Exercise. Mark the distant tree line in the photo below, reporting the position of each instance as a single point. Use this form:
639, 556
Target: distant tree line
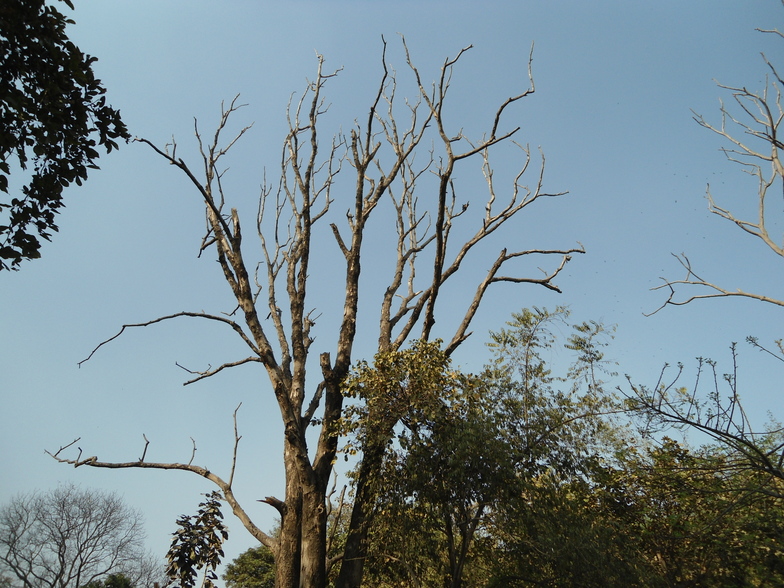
70, 537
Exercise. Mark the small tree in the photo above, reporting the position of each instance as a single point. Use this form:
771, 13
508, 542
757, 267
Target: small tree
408, 162
68, 537
52, 111
254, 568
197, 545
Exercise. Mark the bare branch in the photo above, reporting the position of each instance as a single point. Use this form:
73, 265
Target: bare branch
237, 438
461, 333
188, 467
715, 291
211, 372
756, 146
236, 327
720, 416
146, 445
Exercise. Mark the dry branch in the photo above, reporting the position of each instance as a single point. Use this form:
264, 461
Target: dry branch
717, 414
755, 145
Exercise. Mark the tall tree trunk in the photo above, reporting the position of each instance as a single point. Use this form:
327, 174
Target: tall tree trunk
314, 533
289, 554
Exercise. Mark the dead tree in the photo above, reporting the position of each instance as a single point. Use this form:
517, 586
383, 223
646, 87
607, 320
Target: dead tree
381, 154
756, 145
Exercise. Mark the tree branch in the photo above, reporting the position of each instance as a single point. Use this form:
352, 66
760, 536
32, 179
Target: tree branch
224, 486
236, 327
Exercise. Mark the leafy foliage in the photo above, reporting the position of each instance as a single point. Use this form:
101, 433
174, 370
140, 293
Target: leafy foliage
449, 472
412, 385
524, 476
53, 115
197, 544
254, 568
111, 581
688, 521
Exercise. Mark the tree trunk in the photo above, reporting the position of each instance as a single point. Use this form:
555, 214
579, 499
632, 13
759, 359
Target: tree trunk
353, 565
314, 533
289, 554
304, 520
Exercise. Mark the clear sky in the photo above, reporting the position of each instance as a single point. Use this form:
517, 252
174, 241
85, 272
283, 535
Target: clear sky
615, 85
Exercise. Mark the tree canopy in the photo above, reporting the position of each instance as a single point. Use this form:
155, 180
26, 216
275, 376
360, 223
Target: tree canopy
254, 568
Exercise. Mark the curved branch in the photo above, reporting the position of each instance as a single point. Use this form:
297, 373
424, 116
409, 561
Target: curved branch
237, 328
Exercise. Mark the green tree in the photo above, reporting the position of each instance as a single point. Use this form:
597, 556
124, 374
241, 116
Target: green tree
408, 401
254, 568
659, 516
53, 116
683, 513
112, 581
525, 477
461, 452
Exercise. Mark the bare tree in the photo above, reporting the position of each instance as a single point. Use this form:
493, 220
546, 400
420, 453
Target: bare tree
394, 158
756, 145
68, 537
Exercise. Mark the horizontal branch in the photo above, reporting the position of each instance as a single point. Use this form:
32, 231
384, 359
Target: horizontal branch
693, 279
211, 372
236, 327
225, 487
545, 281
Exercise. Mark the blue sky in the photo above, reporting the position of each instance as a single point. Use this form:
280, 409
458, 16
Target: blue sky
615, 85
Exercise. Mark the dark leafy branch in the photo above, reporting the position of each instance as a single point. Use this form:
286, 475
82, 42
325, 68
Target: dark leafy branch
53, 118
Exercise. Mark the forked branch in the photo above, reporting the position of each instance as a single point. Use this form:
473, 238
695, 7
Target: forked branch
712, 290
